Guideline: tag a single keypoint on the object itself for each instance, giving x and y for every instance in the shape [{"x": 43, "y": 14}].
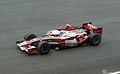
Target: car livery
[{"x": 70, "y": 36}]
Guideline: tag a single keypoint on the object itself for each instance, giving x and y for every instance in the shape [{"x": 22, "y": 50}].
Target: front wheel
[
  {"x": 95, "y": 39},
  {"x": 43, "y": 48},
  {"x": 29, "y": 36}
]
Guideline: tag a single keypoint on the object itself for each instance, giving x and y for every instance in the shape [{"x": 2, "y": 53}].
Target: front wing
[{"x": 24, "y": 46}]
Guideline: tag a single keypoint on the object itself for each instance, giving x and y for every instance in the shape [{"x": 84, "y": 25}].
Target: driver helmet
[
  {"x": 68, "y": 25},
  {"x": 55, "y": 33}
]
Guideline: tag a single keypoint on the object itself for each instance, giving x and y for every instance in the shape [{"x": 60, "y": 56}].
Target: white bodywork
[
  {"x": 55, "y": 34},
  {"x": 63, "y": 34}
]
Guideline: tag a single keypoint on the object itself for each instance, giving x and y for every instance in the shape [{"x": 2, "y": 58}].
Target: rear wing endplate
[{"x": 93, "y": 28}]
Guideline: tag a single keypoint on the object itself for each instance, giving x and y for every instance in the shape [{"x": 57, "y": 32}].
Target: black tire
[
  {"x": 43, "y": 48},
  {"x": 95, "y": 39},
  {"x": 29, "y": 36}
]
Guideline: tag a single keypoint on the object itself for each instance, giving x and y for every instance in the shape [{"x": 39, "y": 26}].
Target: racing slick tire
[
  {"x": 43, "y": 48},
  {"x": 95, "y": 39},
  {"x": 29, "y": 36}
]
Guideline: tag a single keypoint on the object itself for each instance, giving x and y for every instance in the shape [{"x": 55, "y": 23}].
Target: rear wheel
[
  {"x": 43, "y": 48},
  {"x": 29, "y": 36},
  {"x": 95, "y": 39}
]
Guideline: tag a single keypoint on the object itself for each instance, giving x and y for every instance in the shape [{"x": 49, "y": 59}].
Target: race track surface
[{"x": 18, "y": 17}]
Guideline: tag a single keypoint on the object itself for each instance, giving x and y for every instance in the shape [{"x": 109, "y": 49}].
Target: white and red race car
[{"x": 69, "y": 36}]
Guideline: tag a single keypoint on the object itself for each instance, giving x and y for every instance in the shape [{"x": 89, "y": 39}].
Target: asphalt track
[{"x": 18, "y": 17}]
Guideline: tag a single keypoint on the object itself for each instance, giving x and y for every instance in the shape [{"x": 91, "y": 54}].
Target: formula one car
[{"x": 70, "y": 36}]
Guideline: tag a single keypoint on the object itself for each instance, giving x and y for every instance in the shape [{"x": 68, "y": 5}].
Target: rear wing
[{"x": 93, "y": 28}]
